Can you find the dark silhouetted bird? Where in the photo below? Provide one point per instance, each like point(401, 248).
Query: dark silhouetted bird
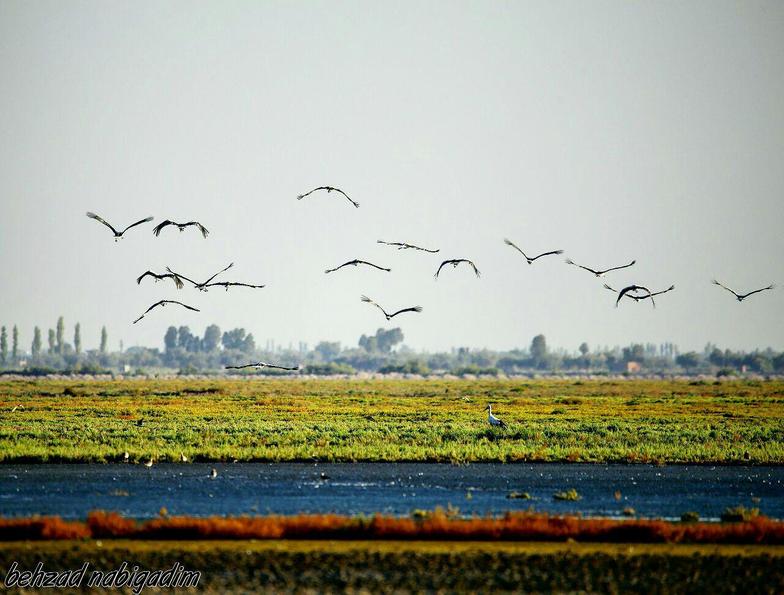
point(163, 303)
point(263, 365)
point(531, 259)
point(118, 234)
point(637, 298)
point(364, 298)
point(404, 246)
point(742, 296)
point(600, 273)
point(456, 261)
point(635, 288)
point(329, 189)
point(181, 226)
point(201, 286)
point(355, 263)
point(177, 281)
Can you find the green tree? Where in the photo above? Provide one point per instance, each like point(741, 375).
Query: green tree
point(688, 360)
point(584, 349)
point(234, 339)
point(3, 346)
point(170, 338)
point(185, 338)
point(388, 339)
point(538, 349)
point(51, 341)
point(78, 338)
point(14, 344)
point(35, 348)
point(249, 344)
point(328, 350)
point(212, 337)
point(104, 339)
point(60, 335)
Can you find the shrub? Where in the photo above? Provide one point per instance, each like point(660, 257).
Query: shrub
point(739, 514)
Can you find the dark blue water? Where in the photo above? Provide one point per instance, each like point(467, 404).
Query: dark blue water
point(391, 488)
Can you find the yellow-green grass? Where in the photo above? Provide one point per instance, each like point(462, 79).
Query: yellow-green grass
point(348, 546)
point(393, 420)
point(402, 567)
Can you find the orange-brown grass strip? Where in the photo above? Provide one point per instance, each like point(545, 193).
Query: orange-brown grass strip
point(437, 525)
point(42, 528)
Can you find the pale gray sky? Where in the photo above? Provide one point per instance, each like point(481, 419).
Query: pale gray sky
point(612, 130)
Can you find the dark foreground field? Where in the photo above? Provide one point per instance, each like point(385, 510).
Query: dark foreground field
point(299, 566)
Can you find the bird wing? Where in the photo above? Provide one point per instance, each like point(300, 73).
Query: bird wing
point(240, 367)
point(204, 231)
point(143, 275)
point(610, 288)
point(626, 290)
point(180, 277)
point(97, 218)
point(228, 284)
point(353, 202)
point(547, 254)
point(281, 367)
point(625, 266)
point(216, 274)
point(590, 270)
point(157, 229)
point(345, 264)
point(443, 264)
point(670, 288)
point(513, 245)
point(473, 266)
point(181, 304)
point(725, 287)
point(301, 196)
point(155, 305)
point(758, 290)
point(411, 309)
point(139, 222)
point(372, 265)
point(366, 299)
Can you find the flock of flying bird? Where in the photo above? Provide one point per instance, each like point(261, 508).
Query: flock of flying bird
point(633, 292)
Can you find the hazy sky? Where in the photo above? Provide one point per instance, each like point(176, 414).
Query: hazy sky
point(612, 130)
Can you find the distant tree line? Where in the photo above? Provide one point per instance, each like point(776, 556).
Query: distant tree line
point(382, 351)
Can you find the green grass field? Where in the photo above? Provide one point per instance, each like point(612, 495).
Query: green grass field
point(393, 420)
point(367, 566)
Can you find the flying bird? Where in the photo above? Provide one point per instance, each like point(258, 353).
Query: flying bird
point(177, 281)
point(117, 234)
point(456, 261)
point(405, 246)
point(181, 226)
point(227, 284)
point(355, 263)
point(742, 296)
point(531, 259)
point(637, 298)
point(200, 286)
point(263, 365)
point(163, 303)
point(494, 421)
point(634, 288)
point(364, 298)
point(329, 189)
point(600, 273)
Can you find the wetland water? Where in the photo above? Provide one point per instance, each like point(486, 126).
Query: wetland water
point(71, 491)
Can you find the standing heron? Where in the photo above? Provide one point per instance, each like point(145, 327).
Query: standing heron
point(492, 419)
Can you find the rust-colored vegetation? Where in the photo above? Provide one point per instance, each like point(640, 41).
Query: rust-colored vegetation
point(437, 525)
